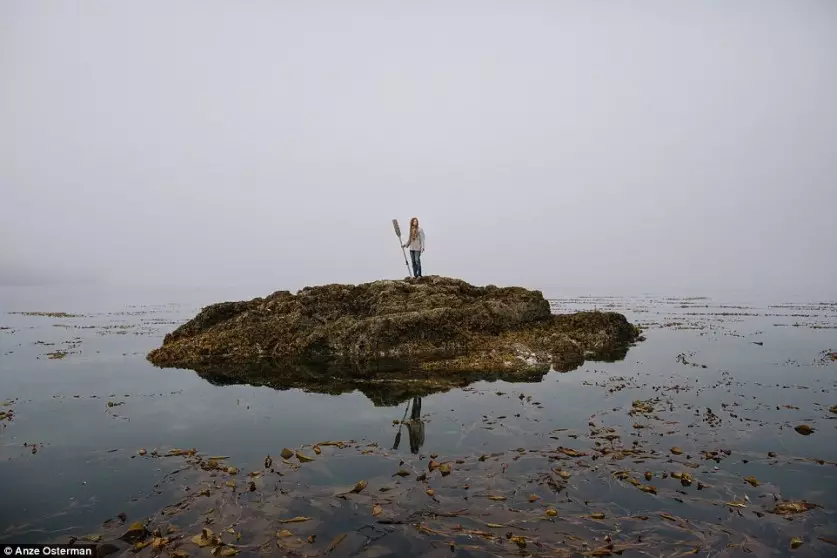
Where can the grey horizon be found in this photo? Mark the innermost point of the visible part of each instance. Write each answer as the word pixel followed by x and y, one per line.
pixel 573 147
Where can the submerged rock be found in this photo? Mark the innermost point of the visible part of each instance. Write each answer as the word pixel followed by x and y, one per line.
pixel 432 325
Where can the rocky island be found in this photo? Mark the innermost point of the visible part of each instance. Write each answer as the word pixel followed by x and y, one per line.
pixel 434 326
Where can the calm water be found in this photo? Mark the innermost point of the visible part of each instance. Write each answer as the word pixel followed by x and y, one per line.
pixel 762 369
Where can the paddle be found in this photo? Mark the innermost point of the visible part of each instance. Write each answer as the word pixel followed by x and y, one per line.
pixel 398 234
pixel 398 436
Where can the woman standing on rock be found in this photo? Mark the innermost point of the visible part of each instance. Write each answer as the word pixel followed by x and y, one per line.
pixel 416 244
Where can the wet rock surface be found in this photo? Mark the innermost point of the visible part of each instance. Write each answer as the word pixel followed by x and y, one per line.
pixel 430 325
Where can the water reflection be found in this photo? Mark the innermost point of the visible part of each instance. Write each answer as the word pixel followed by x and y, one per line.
pixel 386 388
pixel 391 384
pixel 415 426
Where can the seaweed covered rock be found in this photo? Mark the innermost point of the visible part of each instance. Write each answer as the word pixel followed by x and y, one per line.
pixel 434 323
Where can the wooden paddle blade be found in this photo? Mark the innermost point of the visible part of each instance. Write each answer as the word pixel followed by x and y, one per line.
pixel 396 227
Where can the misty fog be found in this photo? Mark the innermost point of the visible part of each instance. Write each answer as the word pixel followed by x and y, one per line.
pixel 574 147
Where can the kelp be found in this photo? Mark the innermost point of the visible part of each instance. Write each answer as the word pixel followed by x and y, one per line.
pixel 506 523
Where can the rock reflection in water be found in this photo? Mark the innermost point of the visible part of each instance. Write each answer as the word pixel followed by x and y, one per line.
pixel 391 384
pixel 387 388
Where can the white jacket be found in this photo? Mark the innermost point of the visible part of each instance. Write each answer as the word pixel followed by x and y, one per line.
pixel 418 243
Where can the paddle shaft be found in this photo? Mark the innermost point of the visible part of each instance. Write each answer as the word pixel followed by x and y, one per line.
pixel 400 243
pixel 400 424
pixel 405 257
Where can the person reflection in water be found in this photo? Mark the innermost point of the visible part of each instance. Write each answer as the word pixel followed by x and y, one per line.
pixel 415 427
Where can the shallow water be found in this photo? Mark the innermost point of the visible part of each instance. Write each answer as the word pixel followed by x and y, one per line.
pixel 717 389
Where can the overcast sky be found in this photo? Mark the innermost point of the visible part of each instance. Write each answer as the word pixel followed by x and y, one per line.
pixel 576 147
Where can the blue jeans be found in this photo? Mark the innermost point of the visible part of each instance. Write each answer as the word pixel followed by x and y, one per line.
pixel 415 255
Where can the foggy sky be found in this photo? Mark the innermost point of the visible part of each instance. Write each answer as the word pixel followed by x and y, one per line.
pixel 576 147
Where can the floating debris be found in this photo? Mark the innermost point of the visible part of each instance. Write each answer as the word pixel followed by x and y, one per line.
pixel 335 542
pixel 303 458
pixel 792 507
pixel 297 519
pixel 49 314
pixel 642 407
pixel 135 533
pixel 206 538
pixel 647 488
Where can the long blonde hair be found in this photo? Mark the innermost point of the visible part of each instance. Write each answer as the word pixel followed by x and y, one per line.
pixel 414 228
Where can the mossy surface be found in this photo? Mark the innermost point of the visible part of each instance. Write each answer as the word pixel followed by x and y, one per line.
pixel 434 325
